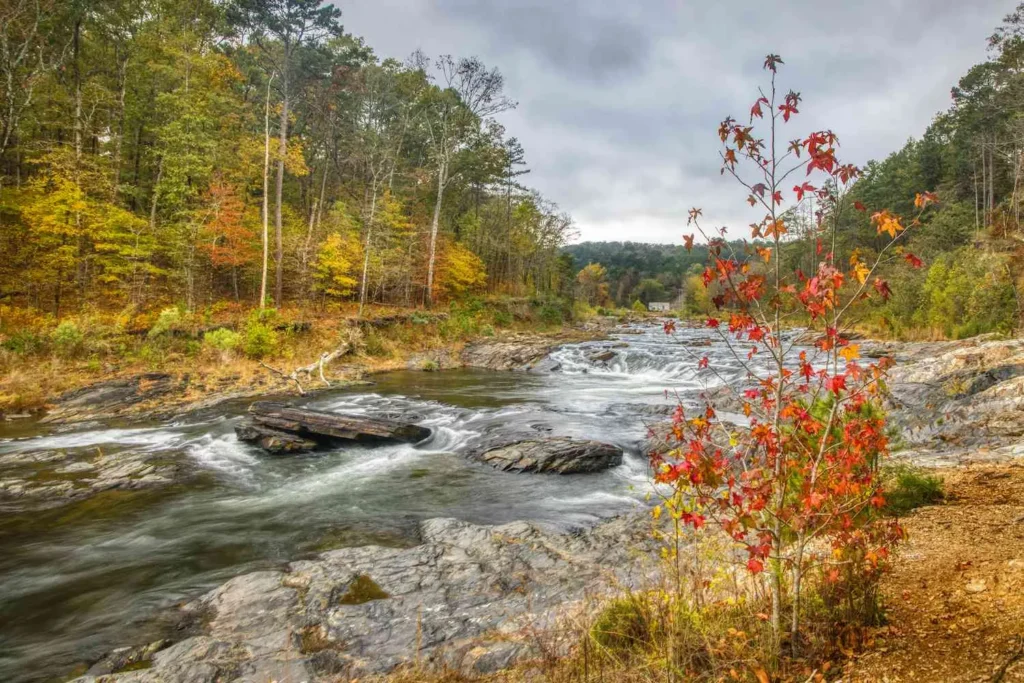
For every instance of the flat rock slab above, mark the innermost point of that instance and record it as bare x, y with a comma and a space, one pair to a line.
471, 598
560, 455
276, 419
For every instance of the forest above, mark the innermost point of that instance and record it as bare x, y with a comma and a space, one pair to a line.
967, 257
198, 152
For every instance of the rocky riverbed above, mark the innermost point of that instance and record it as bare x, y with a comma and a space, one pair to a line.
472, 596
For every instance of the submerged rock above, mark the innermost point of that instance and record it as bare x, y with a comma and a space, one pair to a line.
560, 455
471, 598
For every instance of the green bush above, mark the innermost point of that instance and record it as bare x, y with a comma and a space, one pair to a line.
260, 339
501, 317
625, 624
67, 339
168, 320
638, 307
430, 365
23, 342
908, 488
373, 344
224, 340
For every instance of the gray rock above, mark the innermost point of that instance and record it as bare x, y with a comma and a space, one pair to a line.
601, 356
546, 364
274, 422
273, 440
112, 398
507, 354
560, 455
472, 598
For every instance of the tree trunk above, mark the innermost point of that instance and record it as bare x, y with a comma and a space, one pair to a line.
314, 220
366, 249
156, 194
119, 138
266, 195
282, 150
442, 173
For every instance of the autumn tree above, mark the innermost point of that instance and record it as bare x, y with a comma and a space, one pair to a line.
798, 491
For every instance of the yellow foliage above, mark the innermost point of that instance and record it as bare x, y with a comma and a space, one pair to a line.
461, 271
335, 269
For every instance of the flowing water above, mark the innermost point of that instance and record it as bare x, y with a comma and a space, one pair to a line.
78, 580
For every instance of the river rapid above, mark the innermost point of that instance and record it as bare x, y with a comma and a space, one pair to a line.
79, 579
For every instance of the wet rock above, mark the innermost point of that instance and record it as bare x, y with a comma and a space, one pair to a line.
601, 356
273, 440
642, 409
963, 394
509, 354
48, 479
123, 658
105, 400
272, 420
561, 455
547, 364
470, 598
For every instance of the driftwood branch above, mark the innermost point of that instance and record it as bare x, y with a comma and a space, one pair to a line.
292, 377
317, 366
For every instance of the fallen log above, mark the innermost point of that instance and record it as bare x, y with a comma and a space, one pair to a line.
321, 427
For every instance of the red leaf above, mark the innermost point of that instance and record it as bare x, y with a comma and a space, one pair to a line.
913, 261
755, 565
688, 242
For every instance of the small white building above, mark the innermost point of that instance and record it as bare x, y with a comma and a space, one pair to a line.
659, 306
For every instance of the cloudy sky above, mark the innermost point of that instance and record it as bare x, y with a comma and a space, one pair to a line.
619, 101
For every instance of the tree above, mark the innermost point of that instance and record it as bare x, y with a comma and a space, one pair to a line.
467, 95
649, 290
799, 491
286, 32
593, 288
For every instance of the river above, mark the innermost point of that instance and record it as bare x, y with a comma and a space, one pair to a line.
79, 579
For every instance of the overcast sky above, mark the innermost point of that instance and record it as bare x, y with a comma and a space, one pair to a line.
619, 102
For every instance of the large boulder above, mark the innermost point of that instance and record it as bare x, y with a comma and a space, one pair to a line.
281, 428
559, 455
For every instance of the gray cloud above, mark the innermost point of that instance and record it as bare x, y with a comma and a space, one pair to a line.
619, 102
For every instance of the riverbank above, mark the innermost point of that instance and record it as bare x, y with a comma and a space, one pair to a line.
475, 598
154, 366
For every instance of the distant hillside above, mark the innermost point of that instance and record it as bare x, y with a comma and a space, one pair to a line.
631, 263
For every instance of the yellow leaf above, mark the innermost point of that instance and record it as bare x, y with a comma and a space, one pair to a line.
851, 352
762, 676
656, 512
861, 272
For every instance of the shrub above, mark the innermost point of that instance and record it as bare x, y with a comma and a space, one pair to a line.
260, 339
581, 311
501, 318
625, 624
430, 365
908, 488
67, 339
638, 307
23, 342
168, 320
223, 340
374, 344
